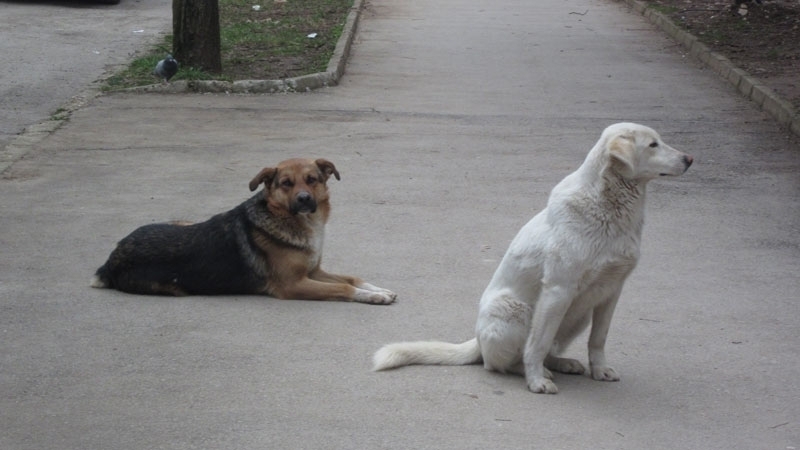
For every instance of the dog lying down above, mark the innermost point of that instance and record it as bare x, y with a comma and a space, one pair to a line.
271, 244
563, 270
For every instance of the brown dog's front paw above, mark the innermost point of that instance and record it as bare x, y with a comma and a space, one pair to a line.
382, 297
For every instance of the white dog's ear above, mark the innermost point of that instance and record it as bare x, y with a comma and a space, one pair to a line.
622, 150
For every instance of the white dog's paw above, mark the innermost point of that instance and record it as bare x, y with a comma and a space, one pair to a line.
541, 385
604, 373
382, 297
566, 365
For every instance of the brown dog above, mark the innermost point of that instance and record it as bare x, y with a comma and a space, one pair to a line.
271, 244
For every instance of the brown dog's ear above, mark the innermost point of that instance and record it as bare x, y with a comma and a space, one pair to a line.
327, 168
622, 150
265, 176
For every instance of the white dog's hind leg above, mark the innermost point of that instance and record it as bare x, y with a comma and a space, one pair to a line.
501, 350
563, 365
501, 329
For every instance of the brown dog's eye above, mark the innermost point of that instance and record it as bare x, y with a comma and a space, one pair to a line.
311, 180
287, 183
654, 145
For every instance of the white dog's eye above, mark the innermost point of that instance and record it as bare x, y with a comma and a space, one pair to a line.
654, 145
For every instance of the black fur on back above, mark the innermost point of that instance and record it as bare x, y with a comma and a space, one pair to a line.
209, 258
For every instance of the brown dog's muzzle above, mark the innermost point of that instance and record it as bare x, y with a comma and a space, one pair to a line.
303, 203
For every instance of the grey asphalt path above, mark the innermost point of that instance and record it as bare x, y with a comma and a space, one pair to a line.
451, 125
53, 49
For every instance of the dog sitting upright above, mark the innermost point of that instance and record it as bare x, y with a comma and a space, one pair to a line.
271, 245
564, 270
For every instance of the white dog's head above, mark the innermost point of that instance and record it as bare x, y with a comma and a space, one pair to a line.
637, 152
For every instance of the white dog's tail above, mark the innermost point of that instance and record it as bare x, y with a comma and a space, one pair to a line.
426, 352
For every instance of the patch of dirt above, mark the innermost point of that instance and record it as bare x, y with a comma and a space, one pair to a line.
762, 38
279, 42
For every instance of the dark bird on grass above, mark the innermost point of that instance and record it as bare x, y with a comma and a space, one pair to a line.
166, 68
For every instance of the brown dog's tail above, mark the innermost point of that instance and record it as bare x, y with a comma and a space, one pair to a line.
426, 352
100, 279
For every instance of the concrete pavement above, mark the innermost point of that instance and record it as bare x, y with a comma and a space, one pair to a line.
53, 49
750, 87
449, 127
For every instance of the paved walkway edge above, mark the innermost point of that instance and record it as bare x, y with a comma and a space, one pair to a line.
780, 110
19, 146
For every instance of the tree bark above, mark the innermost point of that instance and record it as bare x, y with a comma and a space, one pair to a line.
195, 28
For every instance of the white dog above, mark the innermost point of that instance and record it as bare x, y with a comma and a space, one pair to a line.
563, 270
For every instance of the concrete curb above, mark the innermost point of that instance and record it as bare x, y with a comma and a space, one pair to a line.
304, 83
781, 110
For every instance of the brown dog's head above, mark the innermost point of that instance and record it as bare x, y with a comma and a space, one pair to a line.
296, 185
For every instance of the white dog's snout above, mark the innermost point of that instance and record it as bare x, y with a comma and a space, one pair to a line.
667, 161
687, 161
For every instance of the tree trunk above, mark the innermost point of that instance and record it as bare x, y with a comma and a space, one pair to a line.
195, 28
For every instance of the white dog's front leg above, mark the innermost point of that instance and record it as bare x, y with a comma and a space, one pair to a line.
553, 303
601, 322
